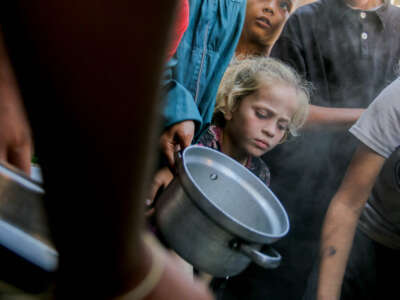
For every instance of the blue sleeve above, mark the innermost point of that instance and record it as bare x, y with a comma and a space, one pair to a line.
179, 104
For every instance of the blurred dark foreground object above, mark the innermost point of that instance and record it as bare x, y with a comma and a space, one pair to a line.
89, 75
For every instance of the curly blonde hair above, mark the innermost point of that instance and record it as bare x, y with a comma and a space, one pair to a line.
245, 76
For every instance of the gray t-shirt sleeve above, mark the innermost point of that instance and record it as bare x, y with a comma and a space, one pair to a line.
379, 126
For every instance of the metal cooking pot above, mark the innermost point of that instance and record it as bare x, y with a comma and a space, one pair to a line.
21, 200
24, 230
217, 215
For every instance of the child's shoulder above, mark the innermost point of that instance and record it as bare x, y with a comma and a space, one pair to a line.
260, 169
211, 138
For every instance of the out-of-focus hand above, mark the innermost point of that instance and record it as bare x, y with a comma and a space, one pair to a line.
15, 137
15, 133
162, 178
176, 284
173, 283
175, 138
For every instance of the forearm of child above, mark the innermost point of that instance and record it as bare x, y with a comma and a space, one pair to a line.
321, 117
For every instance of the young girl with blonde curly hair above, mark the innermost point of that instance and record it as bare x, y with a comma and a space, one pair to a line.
260, 103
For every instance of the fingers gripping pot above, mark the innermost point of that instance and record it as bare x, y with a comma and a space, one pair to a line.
217, 215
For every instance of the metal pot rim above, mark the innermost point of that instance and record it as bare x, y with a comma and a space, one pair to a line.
16, 178
218, 215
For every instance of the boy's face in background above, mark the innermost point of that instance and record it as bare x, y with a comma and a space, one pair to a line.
261, 120
265, 19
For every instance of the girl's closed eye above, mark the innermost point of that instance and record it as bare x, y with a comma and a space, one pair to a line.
285, 5
283, 126
262, 114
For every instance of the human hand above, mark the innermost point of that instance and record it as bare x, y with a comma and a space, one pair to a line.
176, 284
162, 178
175, 138
165, 278
15, 133
15, 138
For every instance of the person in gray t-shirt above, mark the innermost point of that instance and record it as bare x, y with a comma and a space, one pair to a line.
375, 167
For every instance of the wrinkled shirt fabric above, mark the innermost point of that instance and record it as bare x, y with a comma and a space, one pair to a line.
192, 76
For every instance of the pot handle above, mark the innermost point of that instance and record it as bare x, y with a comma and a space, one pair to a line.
178, 155
178, 161
262, 259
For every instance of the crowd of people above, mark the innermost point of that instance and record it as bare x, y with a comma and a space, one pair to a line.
90, 87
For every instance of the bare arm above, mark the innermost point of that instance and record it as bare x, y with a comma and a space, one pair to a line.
341, 220
15, 132
330, 117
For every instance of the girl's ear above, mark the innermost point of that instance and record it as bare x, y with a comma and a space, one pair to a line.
284, 138
227, 114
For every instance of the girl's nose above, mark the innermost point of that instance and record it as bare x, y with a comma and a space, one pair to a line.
269, 7
269, 129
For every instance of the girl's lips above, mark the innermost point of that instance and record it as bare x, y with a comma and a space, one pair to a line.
262, 144
263, 22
